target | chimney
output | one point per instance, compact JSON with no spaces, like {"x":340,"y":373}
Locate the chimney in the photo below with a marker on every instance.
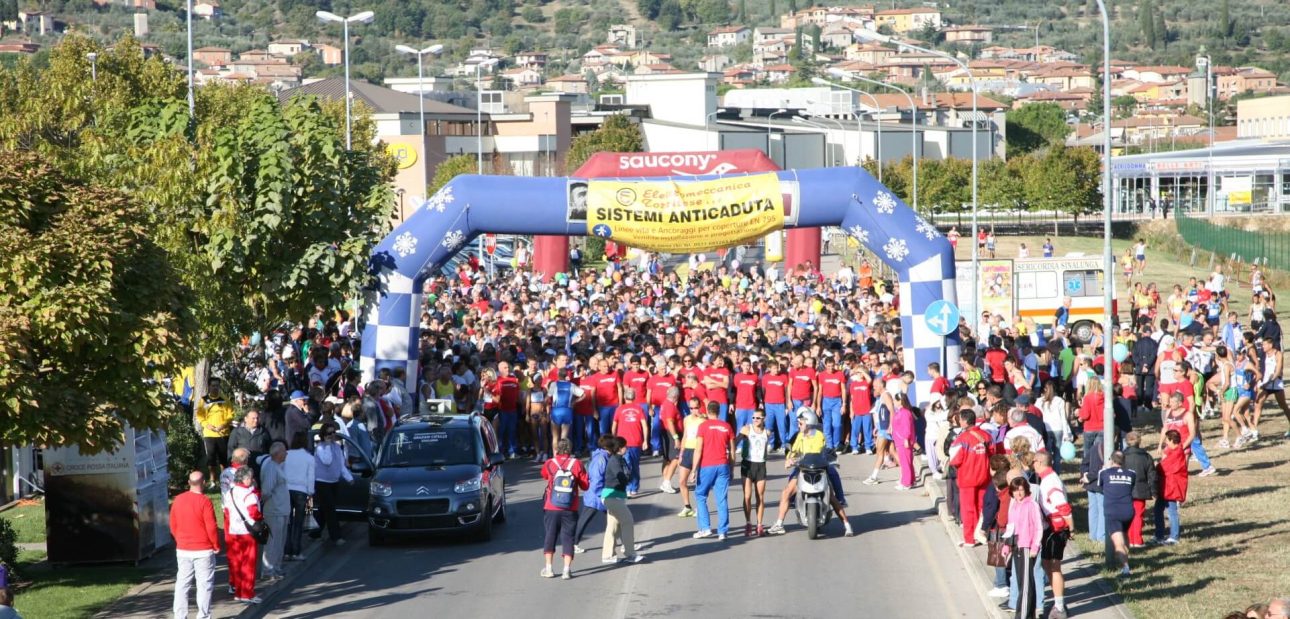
{"x":924,"y":91}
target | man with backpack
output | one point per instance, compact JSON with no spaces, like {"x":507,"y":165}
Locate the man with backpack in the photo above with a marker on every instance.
{"x":565,"y":479}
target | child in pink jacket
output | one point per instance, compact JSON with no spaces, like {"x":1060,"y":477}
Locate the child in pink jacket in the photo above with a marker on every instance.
{"x":1026,"y":529}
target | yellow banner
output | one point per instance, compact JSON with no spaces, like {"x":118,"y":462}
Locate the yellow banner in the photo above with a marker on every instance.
{"x":672,"y":217}
{"x":1240,"y":197}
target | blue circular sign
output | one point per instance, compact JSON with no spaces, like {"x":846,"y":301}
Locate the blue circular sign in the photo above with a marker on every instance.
{"x":942,"y":317}
{"x":602,"y":231}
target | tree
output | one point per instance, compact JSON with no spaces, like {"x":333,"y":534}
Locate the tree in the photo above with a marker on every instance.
{"x":1225,"y":26}
{"x":1001,"y":182}
{"x":792,"y":6}
{"x":1147,"y":23}
{"x":1034,"y":126}
{"x":649,"y":9}
{"x":449,"y":169}
{"x":742,"y":16}
{"x":91,"y":310}
{"x":1162,"y":29}
{"x":944,"y":185}
{"x":618,"y":134}
{"x":8,"y":10}
{"x":1064,"y":180}
{"x":669,"y":15}
{"x":712,"y":11}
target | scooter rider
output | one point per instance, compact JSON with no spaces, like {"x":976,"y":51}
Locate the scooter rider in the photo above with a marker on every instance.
{"x":810,"y":440}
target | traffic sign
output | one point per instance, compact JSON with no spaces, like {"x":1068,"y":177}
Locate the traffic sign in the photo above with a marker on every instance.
{"x":942,"y":317}
{"x":490,"y":243}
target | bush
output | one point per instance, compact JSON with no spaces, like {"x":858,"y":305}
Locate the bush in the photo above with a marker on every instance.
{"x":9,"y":550}
{"x":184,"y":446}
{"x":593,"y":249}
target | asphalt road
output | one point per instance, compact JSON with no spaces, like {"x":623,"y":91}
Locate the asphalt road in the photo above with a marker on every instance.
{"x":900,"y":564}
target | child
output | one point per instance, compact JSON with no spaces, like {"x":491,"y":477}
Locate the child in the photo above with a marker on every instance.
{"x":1173,"y":487}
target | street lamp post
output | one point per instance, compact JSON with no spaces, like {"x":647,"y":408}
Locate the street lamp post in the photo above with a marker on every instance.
{"x":976,"y":257}
{"x":192,"y":101}
{"x":94,"y":66}
{"x":711,"y":118}
{"x":479,"y":123}
{"x":769,"y":152}
{"x":421,"y":86}
{"x":360,"y":18}
{"x":1108,"y":261}
{"x":913,"y":114}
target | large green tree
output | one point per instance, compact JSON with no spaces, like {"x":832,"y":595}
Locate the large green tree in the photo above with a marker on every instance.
{"x":1035,"y":126}
{"x":91,"y":310}
{"x":1065,"y":180}
{"x":618,"y":134}
{"x":449,"y":169}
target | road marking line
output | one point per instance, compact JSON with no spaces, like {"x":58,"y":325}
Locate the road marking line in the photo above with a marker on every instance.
{"x":938,"y":576}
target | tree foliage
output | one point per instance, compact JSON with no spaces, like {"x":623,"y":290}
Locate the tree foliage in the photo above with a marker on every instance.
{"x":91,"y":309}
{"x":617,"y":135}
{"x":449,"y":169}
{"x":1065,"y":180}
{"x":1035,"y":126}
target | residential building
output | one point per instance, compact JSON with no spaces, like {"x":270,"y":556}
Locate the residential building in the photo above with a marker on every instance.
{"x":536,"y":60}
{"x":909,"y":20}
{"x":655,"y":69}
{"x":18,"y":47}
{"x":1245,"y":79}
{"x":423,"y":85}
{"x":1266,"y":118}
{"x":821,"y":16}
{"x":622,"y":36}
{"x":728,"y":36}
{"x":258,"y":55}
{"x":213,"y":56}
{"x":1068,"y":101}
{"x":1156,"y":74}
{"x":36,"y":22}
{"x":872,"y":53}
{"x":522,"y":77}
{"x":330,"y":54}
{"x":714,"y":63}
{"x":147,"y":5}
{"x":837,"y":36}
{"x":288,"y":47}
{"x":570,"y":84}
{"x":762,"y":34}
{"x":1064,"y":78}
{"x":778,"y":73}
{"x":207,"y":9}
{"x":969,"y":35}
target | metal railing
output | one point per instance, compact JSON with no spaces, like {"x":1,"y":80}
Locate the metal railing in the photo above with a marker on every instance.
{"x":1268,"y":248}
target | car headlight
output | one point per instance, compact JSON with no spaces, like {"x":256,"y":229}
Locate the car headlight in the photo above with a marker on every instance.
{"x":468,"y":485}
{"x":380,"y":488}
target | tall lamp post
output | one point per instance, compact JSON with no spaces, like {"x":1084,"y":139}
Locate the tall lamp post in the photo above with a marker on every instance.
{"x":361,"y":18}
{"x":94,"y":66}
{"x":192,"y":101}
{"x":421,"y":86}
{"x":976,"y":258}
{"x":1108,"y":261}
{"x":769,"y":152}
{"x":913,"y":114}
{"x":1203,"y":61}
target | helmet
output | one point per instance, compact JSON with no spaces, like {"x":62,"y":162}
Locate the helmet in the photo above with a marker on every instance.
{"x":806,"y":414}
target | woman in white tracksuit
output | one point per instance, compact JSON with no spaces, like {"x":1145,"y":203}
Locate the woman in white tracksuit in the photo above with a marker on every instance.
{"x":937,"y":426}
{"x":1053,"y":409}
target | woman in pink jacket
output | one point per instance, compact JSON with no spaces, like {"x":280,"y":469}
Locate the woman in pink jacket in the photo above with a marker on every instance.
{"x":1026,"y":529}
{"x":902,"y":434}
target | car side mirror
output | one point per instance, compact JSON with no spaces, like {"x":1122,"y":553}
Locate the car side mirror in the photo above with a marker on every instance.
{"x":360,"y":466}
{"x":495,"y":460}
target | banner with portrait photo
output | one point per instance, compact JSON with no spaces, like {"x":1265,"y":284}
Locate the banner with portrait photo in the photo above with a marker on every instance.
{"x":685,"y":217}
{"x":997,"y":292}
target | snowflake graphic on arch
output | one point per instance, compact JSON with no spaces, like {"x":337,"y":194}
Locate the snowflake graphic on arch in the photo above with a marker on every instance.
{"x":896,"y":249}
{"x":925,"y":228}
{"x":405,"y":245}
{"x":453,"y":240}
{"x":441,"y":199}
{"x":860,"y":234}
{"x":884,"y":203}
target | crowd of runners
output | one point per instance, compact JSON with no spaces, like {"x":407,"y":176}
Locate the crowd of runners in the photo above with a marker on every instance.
{"x":599,"y":372}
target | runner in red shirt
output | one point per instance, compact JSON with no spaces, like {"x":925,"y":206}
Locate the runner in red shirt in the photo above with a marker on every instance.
{"x":860,"y":397}
{"x":803,"y":385}
{"x":609,"y":389}
{"x":716,"y":380}
{"x":745,"y":383}
{"x":631,"y":423}
{"x":506,"y":396}
{"x":637,"y":379}
{"x":774,"y":389}
{"x":657,"y":386}
{"x":713,"y":453}
{"x":694,"y":391}
{"x":585,"y":429}
{"x":828,"y":400}
{"x":970,"y":453}
{"x":669,"y":415}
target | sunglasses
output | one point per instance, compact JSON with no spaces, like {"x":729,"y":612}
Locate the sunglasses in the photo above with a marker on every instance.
{"x":758,"y":418}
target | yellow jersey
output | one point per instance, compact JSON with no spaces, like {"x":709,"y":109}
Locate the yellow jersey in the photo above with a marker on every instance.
{"x":691,"y":425}
{"x":811,"y":442}
{"x":216,"y":414}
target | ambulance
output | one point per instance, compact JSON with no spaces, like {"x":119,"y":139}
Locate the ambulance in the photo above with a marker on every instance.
{"x":1034,"y":288}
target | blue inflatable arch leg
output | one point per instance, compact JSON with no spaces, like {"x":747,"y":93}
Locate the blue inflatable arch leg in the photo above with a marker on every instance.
{"x":472,"y":205}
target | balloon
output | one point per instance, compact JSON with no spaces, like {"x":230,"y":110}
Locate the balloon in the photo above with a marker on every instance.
{"x":1120,"y":352}
{"x":1067,"y":450}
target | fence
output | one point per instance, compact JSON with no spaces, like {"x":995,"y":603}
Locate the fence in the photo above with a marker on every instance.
{"x":1270,"y":249}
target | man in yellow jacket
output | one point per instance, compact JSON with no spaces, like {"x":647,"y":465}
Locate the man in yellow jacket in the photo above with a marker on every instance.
{"x":215,"y":417}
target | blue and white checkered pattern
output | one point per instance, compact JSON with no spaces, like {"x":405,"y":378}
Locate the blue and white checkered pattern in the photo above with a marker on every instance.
{"x":445,"y":223}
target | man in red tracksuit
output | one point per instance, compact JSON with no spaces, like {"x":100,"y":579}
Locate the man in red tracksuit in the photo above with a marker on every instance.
{"x":970,"y":454}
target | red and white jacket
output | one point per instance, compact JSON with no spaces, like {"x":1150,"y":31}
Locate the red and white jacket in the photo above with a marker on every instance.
{"x":1052,"y":500}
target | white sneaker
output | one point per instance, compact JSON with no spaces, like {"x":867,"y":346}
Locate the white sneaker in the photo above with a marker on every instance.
{"x":577,"y":550}
{"x":721,"y":537}
{"x":871,"y":481}
{"x":1208,"y":472}
{"x":704,"y":534}
{"x":999,"y":592}
{"x":547,"y":573}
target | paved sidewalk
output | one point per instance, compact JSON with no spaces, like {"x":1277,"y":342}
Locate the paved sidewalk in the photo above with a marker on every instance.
{"x":154,"y":597}
{"x":1087,"y":595}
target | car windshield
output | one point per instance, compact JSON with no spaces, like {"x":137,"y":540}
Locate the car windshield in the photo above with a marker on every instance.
{"x":429,"y":447}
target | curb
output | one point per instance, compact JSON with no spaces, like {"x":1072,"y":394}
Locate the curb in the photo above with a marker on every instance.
{"x":270,"y":597}
{"x":976,"y":569}
{"x":970,"y":563}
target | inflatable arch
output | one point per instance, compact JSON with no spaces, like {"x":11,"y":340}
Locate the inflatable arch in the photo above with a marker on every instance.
{"x":847,"y":197}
